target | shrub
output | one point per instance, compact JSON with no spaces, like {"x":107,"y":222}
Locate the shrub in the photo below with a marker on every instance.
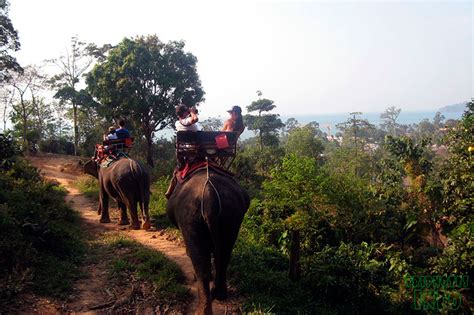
{"x":40,"y":240}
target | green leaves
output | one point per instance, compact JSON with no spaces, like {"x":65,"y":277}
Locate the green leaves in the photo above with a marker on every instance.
{"x":265,"y":124}
{"x":9,"y":43}
{"x":302,"y":141}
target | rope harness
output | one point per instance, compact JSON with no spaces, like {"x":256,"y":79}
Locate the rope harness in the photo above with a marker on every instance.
{"x":208,"y":180}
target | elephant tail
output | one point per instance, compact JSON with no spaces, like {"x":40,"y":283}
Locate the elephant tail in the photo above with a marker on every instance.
{"x":211,"y":208}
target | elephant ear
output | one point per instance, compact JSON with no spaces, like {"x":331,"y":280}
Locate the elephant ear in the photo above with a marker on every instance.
{"x":91,"y":168}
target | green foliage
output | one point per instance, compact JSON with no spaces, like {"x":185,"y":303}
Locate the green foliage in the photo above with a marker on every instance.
{"x":88,"y":185}
{"x":158,"y":202}
{"x":458,"y":181}
{"x":252,"y":165}
{"x":265,"y":125}
{"x":40,"y":241}
{"x":366,"y":275}
{"x":356,"y":130}
{"x":261,"y":274}
{"x":458,"y":192}
{"x":302,"y":141}
{"x":9,"y":43}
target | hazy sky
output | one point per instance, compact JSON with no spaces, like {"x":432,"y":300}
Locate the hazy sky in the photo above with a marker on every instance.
{"x":309,"y":57}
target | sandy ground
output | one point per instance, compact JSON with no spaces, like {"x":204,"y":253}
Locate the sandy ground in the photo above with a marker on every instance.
{"x":90,"y":290}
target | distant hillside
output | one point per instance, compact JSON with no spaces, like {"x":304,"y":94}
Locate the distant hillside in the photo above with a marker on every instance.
{"x":455,"y":108}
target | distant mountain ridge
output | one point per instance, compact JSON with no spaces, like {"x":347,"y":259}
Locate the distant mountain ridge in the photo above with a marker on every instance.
{"x":455,"y":108}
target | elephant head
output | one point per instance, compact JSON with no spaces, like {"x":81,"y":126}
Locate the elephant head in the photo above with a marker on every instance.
{"x":91,"y":168}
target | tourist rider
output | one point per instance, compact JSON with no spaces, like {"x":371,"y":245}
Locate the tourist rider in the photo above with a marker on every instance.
{"x":112,"y":134}
{"x":187,"y":121}
{"x":235,"y":123}
{"x":187,"y":118}
{"x":122,"y":132}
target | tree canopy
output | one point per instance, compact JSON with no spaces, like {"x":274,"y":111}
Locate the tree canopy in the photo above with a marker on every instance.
{"x":9,"y":43}
{"x":265,"y":124}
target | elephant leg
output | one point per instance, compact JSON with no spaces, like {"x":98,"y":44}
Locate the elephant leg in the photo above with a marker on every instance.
{"x":222,"y":255}
{"x":221,"y":261}
{"x":104,"y":206}
{"x":123,"y":213}
{"x":134,"y":215}
{"x":145,"y":215}
{"x":200,"y":254}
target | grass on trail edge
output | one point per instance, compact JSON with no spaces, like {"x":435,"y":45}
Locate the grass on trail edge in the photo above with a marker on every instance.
{"x":41,"y":241}
{"x":88,"y":186}
{"x":138,"y":262}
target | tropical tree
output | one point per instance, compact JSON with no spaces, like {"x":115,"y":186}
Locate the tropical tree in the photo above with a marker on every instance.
{"x":303,"y":141}
{"x":9,"y":43}
{"x":389,"y":120}
{"x":26,"y":86}
{"x":264,"y":124}
{"x":356,"y":130}
{"x":72,"y":66}
{"x":289,"y":198}
{"x":458,"y":179}
{"x":143,"y":79}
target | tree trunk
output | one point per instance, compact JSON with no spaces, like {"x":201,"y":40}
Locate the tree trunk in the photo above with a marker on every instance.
{"x":295,"y":267}
{"x":149,"y":149}
{"x":24,"y":118}
{"x":76,"y":141}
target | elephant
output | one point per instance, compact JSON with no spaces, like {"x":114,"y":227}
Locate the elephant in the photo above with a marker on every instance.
{"x":128,"y":182}
{"x":208,"y":209}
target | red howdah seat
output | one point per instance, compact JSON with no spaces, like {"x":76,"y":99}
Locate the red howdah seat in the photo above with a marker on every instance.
{"x":120,"y":145}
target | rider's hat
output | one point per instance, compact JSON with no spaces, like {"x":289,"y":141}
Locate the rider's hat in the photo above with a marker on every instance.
{"x":235,"y":109}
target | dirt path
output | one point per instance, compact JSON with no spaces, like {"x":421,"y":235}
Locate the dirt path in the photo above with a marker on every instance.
{"x":65,"y":170}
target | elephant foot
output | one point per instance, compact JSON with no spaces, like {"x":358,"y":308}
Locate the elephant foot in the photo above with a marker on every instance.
{"x":135,"y":226}
{"x":147,"y":225}
{"x":217,"y":294}
{"x":124,"y":222}
{"x":104,"y":220}
{"x":204,"y":309}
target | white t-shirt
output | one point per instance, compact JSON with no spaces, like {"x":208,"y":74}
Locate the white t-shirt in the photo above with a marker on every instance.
{"x":185,"y":125}
{"x":111,"y":136}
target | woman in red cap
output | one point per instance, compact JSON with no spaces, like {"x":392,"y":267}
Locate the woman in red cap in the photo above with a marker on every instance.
{"x":235,"y":123}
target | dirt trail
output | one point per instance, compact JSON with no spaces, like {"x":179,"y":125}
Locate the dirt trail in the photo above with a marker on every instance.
{"x":65,"y":170}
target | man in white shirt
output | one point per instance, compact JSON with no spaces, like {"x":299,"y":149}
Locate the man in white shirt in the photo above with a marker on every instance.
{"x":187,"y":118}
{"x":111,"y":135}
{"x":187,"y":121}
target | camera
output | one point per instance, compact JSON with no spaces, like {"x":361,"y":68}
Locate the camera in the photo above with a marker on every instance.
{"x":193,"y":110}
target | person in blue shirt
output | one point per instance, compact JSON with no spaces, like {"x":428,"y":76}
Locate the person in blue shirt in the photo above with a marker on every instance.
{"x":122,"y":132}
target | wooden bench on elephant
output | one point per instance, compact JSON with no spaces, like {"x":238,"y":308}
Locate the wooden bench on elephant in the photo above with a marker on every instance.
{"x":218,"y":146}
{"x":120,"y":145}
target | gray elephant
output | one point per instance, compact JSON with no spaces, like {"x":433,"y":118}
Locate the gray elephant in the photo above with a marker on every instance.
{"x":128,"y":182}
{"x":209,"y":209}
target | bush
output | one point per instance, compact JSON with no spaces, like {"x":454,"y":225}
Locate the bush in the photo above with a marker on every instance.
{"x":40,"y":240}
{"x":89,"y":186}
{"x":158,"y":202}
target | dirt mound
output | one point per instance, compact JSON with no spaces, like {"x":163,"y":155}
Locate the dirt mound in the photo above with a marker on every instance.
{"x":68,"y":164}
